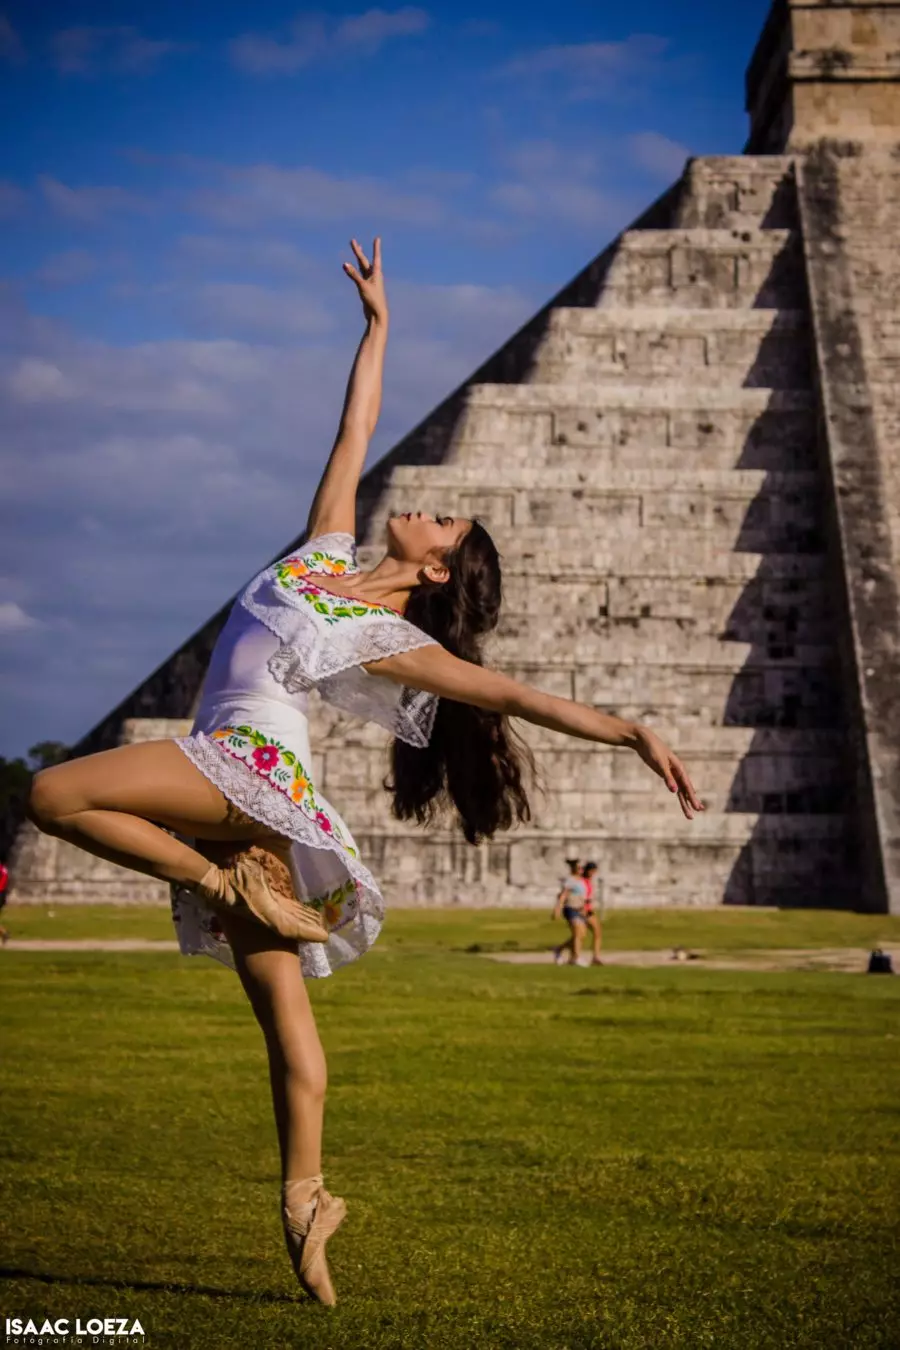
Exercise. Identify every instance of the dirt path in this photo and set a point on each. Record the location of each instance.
(844, 959)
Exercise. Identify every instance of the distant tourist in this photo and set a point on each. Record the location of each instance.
(4, 887)
(593, 910)
(570, 903)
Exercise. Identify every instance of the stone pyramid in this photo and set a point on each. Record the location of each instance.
(689, 462)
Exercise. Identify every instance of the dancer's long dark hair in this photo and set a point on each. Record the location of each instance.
(474, 761)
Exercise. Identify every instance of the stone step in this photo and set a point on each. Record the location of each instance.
(650, 568)
(777, 634)
(738, 192)
(645, 858)
(751, 348)
(707, 269)
(660, 826)
(339, 731)
(539, 480)
(532, 423)
(716, 453)
(587, 781)
(546, 551)
(621, 637)
(620, 643)
(749, 511)
(758, 693)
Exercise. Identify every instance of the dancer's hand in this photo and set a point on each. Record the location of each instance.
(369, 282)
(661, 760)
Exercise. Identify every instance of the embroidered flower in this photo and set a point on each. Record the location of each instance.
(332, 913)
(295, 567)
(300, 787)
(292, 571)
(266, 758)
(324, 823)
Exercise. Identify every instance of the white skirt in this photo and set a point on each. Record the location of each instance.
(257, 754)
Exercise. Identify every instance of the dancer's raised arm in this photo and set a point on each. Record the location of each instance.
(334, 505)
(438, 671)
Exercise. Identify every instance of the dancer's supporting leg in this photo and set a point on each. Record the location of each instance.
(113, 804)
(270, 974)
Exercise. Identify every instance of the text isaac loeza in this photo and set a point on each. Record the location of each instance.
(73, 1331)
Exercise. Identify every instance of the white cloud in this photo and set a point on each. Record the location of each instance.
(551, 181)
(34, 380)
(13, 618)
(89, 205)
(264, 192)
(308, 38)
(660, 156)
(94, 50)
(259, 309)
(245, 254)
(589, 70)
(377, 26)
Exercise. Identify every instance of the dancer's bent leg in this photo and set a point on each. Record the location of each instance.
(113, 804)
(270, 974)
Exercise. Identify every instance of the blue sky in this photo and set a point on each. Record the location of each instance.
(175, 329)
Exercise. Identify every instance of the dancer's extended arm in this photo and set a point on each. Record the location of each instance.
(437, 671)
(334, 505)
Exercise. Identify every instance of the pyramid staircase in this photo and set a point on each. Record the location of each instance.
(650, 476)
(644, 453)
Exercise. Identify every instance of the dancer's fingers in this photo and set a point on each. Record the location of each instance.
(360, 256)
(376, 253)
(686, 787)
(352, 273)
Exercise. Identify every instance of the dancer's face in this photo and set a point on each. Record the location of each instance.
(420, 538)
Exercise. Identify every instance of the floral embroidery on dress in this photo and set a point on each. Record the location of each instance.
(332, 902)
(335, 607)
(290, 570)
(280, 767)
(295, 574)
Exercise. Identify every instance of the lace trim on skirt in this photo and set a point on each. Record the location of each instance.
(266, 804)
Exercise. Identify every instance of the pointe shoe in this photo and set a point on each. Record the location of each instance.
(308, 1224)
(246, 885)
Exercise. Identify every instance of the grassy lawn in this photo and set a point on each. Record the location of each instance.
(721, 930)
(534, 1158)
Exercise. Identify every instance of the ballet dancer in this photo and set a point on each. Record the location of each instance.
(272, 873)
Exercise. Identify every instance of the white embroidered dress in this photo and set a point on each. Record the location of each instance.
(284, 636)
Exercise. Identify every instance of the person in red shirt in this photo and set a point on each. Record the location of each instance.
(593, 911)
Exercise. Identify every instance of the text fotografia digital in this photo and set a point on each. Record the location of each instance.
(73, 1331)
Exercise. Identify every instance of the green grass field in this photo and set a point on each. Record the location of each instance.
(534, 1158)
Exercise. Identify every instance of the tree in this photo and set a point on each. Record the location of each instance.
(15, 780)
(46, 753)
